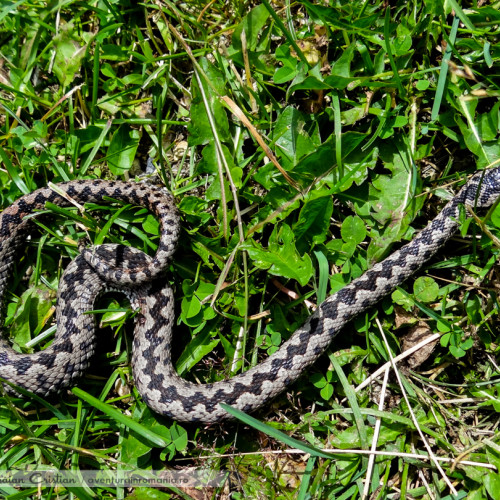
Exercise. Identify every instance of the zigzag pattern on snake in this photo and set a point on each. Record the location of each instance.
(140, 277)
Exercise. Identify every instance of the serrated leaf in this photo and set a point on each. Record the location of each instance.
(69, 55)
(281, 257)
(388, 195)
(391, 204)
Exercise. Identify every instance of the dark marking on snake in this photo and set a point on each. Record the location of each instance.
(131, 271)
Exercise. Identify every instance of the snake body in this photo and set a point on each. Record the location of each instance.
(140, 276)
(68, 356)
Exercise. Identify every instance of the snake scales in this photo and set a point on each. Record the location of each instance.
(139, 276)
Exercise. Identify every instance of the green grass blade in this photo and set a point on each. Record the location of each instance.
(461, 15)
(306, 479)
(353, 401)
(13, 172)
(387, 39)
(443, 73)
(285, 32)
(275, 433)
(324, 274)
(95, 149)
(119, 417)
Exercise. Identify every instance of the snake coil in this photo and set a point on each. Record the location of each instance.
(139, 276)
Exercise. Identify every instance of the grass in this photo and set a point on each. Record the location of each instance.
(303, 143)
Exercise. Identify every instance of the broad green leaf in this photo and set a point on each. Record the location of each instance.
(318, 380)
(318, 161)
(70, 50)
(31, 313)
(210, 164)
(487, 124)
(425, 289)
(87, 137)
(327, 392)
(401, 45)
(179, 436)
(190, 308)
(389, 196)
(114, 53)
(294, 137)
(402, 300)
(342, 67)
(314, 219)
(134, 448)
(200, 126)
(202, 344)
(281, 256)
(311, 82)
(391, 203)
(353, 229)
(252, 24)
(288, 68)
(151, 225)
(122, 149)
(322, 159)
(492, 484)
(495, 216)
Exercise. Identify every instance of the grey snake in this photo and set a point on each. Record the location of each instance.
(141, 277)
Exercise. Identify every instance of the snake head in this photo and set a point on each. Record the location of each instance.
(484, 188)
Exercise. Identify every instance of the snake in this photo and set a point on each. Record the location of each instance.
(142, 278)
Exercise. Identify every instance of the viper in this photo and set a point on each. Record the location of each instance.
(141, 278)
